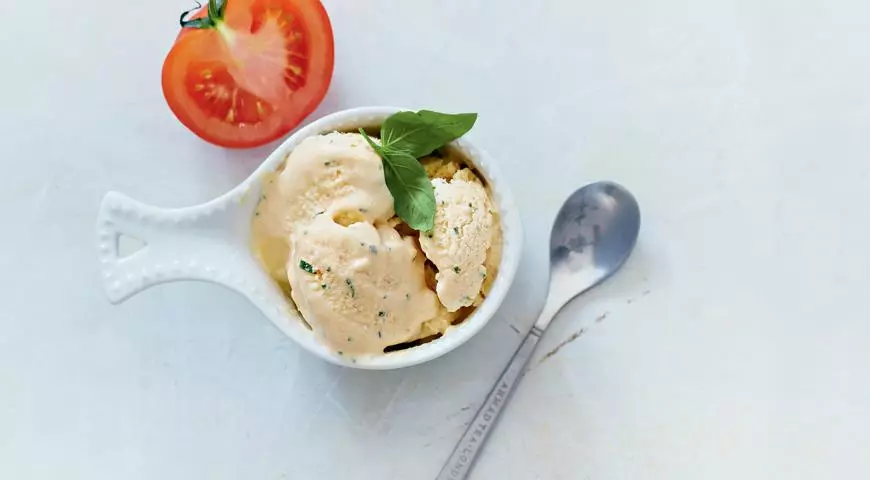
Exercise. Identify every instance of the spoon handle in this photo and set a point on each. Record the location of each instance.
(462, 459)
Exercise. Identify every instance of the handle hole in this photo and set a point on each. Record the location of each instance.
(127, 245)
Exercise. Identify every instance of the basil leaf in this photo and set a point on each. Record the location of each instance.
(412, 191)
(413, 195)
(418, 134)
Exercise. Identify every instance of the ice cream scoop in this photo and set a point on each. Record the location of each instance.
(362, 286)
(336, 174)
(460, 240)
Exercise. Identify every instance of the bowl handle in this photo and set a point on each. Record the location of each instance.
(141, 246)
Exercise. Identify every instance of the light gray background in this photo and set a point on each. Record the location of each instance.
(735, 343)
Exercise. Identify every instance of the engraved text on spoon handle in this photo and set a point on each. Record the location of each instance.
(462, 458)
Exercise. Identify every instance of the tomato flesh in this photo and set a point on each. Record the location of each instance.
(253, 76)
(215, 92)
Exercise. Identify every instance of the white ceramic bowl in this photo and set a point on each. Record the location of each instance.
(211, 242)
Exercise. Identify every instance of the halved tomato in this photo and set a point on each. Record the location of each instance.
(245, 72)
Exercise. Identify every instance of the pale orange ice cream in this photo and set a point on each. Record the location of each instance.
(337, 174)
(361, 286)
(326, 231)
(461, 238)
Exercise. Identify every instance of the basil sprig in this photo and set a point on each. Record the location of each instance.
(405, 137)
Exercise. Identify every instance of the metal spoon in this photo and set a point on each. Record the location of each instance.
(593, 235)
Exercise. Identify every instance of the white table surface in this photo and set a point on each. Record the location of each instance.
(735, 341)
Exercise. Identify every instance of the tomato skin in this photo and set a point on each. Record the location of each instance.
(253, 77)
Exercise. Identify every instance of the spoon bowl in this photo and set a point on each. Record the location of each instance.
(593, 234)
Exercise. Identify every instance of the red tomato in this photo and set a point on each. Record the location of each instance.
(245, 72)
